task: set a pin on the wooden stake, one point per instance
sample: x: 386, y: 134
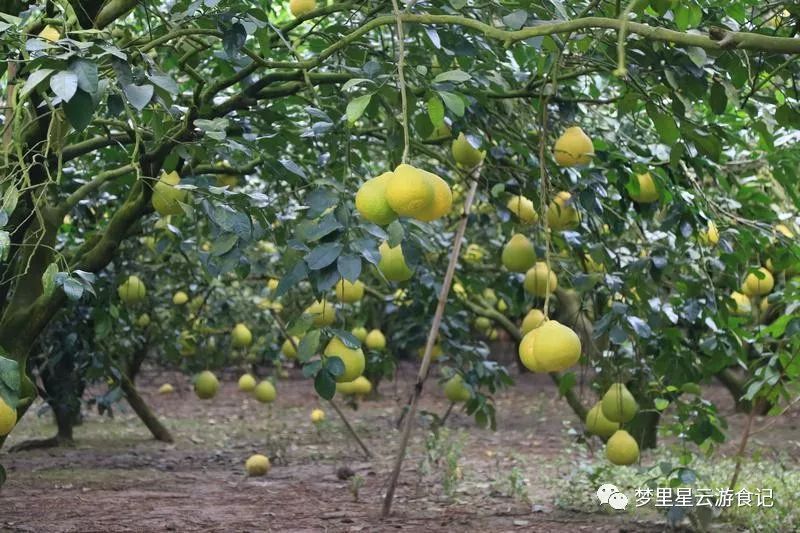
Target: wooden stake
x: 422, y: 375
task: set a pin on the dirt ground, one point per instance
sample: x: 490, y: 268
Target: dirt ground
x: 116, y: 478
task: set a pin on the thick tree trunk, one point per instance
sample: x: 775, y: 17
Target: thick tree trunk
x: 736, y: 386
x: 644, y: 428
x: 144, y: 412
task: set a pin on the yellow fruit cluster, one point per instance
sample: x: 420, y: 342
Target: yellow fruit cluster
x: 408, y: 191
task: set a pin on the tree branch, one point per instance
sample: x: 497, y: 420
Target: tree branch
x: 87, y: 188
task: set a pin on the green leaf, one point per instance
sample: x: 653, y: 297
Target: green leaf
x: 139, y: 95
x: 311, y: 369
x: 298, y: 273
x: 396, y: 233
x: 49, y: 279
x: 64, y: 84
x: 349, y: 340
x: 353, y: 82
x: 697, y: 55
x: 457, y: 76
x: 79, y: 110
x: 356, y: 107
x: 349, y: 267
x: 436, y: 111
x: 86, y: 72
x: 323, y: 255
x: 308, y: 345
x: 718, y: 99
x: 224, y: 244
x: 10, y: 199
x: 665, y: 125
x: 325, y: 385
x: 73, y: 289
x: 36, y: 77
x: 233, y: 39
x: 453, y: 102
x: 10, y: 384
x: 334, y: 365
x: 660, y: 403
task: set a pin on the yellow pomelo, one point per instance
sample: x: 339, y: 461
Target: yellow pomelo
x: 532, y: 320
x: 409, y: 192
x: 8, y: 418
x: 349, y: 292
x: 166, y: 197
x: 573, y: 148
x: 317, y: 416
x: 371, y: 200
x: 436, y: 352
x: 540, y: 280
x: 393, y: 264
x: 518, y: 254
x: 442, y: 198
x: 375, y: 340
x: 166, y: 388
x: 482, y: 323
x: 561, y: 214
x: 489, y: 295
x: 710, y: 237
x: 592, y: 266
x: 132, y: 290
x: 598, y: 424
x: 442, y: 131
x: 247, y: 383
x: 618, y: 404
x: 206, y: 385
x: 552, y: 347
x: 143, y: 321
x: 647, y: 189
x: 784, y: 230
x: 742, y: 306
x: 265, y: 392
x: 465, y: 154
x: 241, y: 336
x: 474, y: 253
x: 301, y: 7
x: 353, y: 359
x: 622, y: 449
x: 360, y: 386
x: 288, y: 349
x: 753, y: 286
x: 522, y: 207
x: 180, y: 298
x: 360, y: 333
x: 322, y: 313
x: 257, y: 465
x: 455, y: 390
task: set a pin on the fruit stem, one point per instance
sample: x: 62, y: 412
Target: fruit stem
x: 422, y: 375
x: 622, y: 71
x: 401, y: 78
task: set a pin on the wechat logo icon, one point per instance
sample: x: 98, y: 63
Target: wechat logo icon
x: 610, y: 494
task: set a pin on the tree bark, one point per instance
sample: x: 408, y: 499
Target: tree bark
x: 140, y: 407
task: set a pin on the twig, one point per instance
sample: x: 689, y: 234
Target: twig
x: 422, y: 375
x: 401, y: 78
